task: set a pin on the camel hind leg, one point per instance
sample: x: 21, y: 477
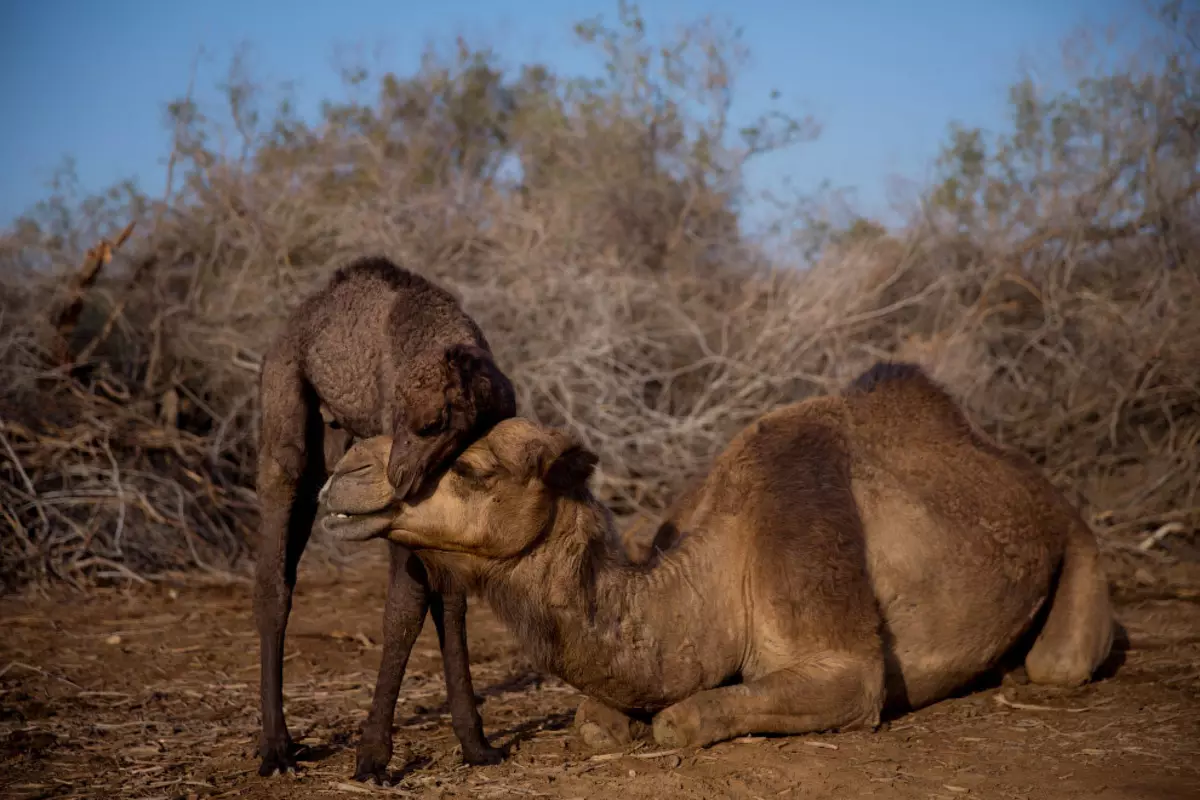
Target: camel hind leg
x: 290, y: 474
x: 1078, y: 633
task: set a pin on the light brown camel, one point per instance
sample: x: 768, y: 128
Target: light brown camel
x: 844, y: 555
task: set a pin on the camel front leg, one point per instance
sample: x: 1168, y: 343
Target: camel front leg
x: 450, y: 617
x: 403, y: 617
x: 606, y: 729
x: 832, y: 692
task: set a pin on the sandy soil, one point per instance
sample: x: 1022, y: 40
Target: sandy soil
x: 152, y: 692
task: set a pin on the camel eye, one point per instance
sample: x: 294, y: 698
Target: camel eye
x: 431, y: 429
x: 434, y: 426
x: 470, y: 474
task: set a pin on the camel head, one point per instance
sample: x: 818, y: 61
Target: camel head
x: 445, y: 404
x: 450, y: 403
x: 494, y: 501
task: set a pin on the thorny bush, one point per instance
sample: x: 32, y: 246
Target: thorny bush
x: 592, y: 228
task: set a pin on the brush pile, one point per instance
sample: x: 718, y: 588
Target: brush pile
x: 592, y: 228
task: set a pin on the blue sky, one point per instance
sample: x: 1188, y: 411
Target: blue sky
x: 90, y: 79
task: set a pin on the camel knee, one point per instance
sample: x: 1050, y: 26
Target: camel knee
x: 843, y: 691
x: 270, y: 608
x: 272, y: 595
x: 857, y: 691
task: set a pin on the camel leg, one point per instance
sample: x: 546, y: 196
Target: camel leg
x: 403, y: 617
x: 604, y: 728
x: 1078, y: 633
x: 817, y: 658
x: 450, y: 618
x: 290, y: 474
x: 834, y: 691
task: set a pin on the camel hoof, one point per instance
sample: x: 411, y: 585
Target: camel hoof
x: 483, y: 755
x: 595, y: 737
x: 277, y: 760
x: 371, y: 763
x: 369, y: 773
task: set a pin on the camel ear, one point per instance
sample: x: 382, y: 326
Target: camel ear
x: 481, y: 383
x: 467, y: 358
x: 570, y: 470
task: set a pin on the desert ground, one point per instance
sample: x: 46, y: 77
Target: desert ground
x: 647, y: 281
x: 151, y: 692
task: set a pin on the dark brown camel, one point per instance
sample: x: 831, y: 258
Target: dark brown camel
x: 378, y: 351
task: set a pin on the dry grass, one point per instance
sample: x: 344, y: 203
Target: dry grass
x: 618, y: 297
x: 151, y: 692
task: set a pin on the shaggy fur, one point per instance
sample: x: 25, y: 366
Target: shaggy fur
x: 379, y: 351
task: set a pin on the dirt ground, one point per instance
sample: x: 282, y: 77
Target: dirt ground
x: 152, y: 692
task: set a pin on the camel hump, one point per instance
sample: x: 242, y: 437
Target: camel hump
x: 379, y: 269
x: 885, y: 373
x: 899, y: 392
x: 412, y: 294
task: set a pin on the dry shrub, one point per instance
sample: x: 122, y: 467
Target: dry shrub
x: 616, y: 290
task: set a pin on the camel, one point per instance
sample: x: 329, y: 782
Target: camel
x: 379, y: 351
x: 845, y: 556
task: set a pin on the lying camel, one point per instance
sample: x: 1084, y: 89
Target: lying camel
x: 845, y: 555
x: 379, y: 350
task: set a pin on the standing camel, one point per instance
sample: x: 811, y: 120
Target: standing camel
x: 380, y: 351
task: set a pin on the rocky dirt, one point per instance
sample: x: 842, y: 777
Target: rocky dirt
x: 151, y: 692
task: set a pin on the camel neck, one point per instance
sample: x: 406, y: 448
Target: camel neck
x: 632, y: 636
